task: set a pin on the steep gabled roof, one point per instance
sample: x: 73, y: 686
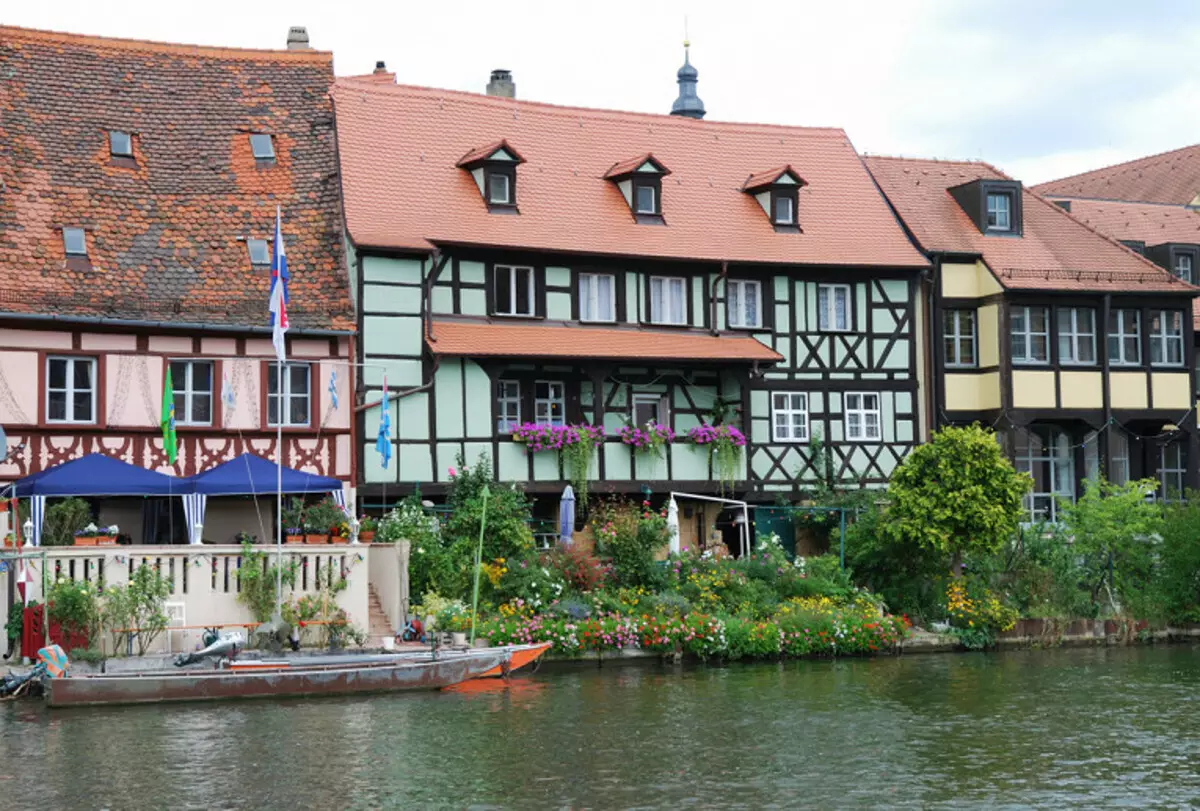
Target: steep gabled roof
x: 1055, y: 251
x: 1151, y: 223
x: 1169, y: 177
x: 399, y: 145
x: 165, y: 234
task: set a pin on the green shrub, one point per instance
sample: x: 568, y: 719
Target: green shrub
x: 910, y: 579
x: 1175, y: 592
x: 257, y: 578
x: 631, y: 537
x: 140, y: 604
x: 63, y: 519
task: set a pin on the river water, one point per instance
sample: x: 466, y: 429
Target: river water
x: 1094, y: 728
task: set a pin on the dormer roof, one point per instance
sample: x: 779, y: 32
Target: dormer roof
x: 642, y: 164
x: 496, y: 151
x: 780, y: 175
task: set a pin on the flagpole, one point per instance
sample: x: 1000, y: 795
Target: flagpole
x: 279, y: 493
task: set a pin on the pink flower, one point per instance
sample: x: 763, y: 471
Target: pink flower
x: 452, y: 472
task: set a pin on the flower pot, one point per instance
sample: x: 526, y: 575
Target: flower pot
x: 315, y: 537
x: 458, y: 639
x: 294, y: 538
x: 106, y: 540
x: 366, y: 536
x: 82, y: 541
x: 338, y: 539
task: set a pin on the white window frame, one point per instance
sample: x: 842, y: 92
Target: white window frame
x: 493, y: 198
x: 284, y: 400
x: 957, y: 336
x: 742, y: 285
x: 791, y: 207
x: 1164, y: 339
x: 512, y: 290
x: 652, y: 399
x: 1006, y: 211
x: 549, y: 402
x: 827, y: 312
x: 859, y: 408
x: 258, y: 137
x: 187, y: 388
x: 508, y: 406
x: 70, y: 232
x: 1184, y: 266
x: 1118, y: 449
x: 1059, y: 458
x: 1177, y: 470
x: 1071, y: 337
x: 589, y: 298
x: 786, y: 407
x: 265, y: 256
x: 637, y: 208
x: 668, y: 283
x: 1028, y: 334
x: 69, y: 390
x: 1117, y: 333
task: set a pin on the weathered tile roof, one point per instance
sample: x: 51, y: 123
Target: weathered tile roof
x: 1152, y: 223
x: 1169, y: 177
x: 399, y: 145
x: 540, y: 341
x: 164, y: 236
x: 1054, y: 252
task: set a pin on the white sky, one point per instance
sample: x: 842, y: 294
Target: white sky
x: 1042, y: 88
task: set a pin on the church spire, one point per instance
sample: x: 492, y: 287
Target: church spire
x: 688, y: 103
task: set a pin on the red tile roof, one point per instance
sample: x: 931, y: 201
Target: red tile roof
x: 1054, y: 252
x: 1152, y: 223
x: 1169, y: 177
x: 163, y: 234
x: 628, y: 167
x: 757, y: 181
x: 485, y: 152
x: 541, y: 341
x: 399, y: 146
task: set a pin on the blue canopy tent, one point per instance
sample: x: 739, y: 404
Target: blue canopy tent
x: 93, y: 475
x: 252, y: 475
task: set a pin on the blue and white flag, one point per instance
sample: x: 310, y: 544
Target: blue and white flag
x: 279, y: 291
x: 333, y: 389
x: 383, y: 443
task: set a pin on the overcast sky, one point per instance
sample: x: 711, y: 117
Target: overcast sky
x: 1042, y: 88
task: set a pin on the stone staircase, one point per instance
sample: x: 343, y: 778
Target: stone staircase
x: 379, y: 627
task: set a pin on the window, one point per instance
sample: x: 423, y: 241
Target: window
x: 294, y: 395
x: 193, y: 382
x: 743, y: 301
x: 73, y: 242
x: 1118, y: 449
x: 1045, y: 454
x: 596, y: 297
x: 785, y: 209
x: 1030, y: 334
x: 549, y: 403
x: 999, y: 211
x: 70, y: 389
x: 1183, y: 266
x: 499, y: 188
x: 120, y: 144
x: 833, y: 307
x: 1166, y: 338
x: 508, y: 406
x: 1124, y: 337
x: 789, y: 416
x: 862, y: 417
x: 262, y: 147
x: 514, y: 290
x: 1076, y: 335
x: 667, y: 305
x: 260, y: 254
x: 647, y: 407
x: 1172, y: 470
x: 645, y: 199
x: 960, y: 338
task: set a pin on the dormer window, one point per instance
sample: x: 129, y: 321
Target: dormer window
x: 260, y: 255
x: 262, y: 147
x: 494, y: 170
x: 993, y: 204
x: 777, y: 191
x: 120, y: 144
x: 640, y: 182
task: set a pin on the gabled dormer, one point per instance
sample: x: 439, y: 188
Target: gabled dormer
x: 993, y: 205
x: 494, y: 169
x: 777, y: 191
x: 640, y: 182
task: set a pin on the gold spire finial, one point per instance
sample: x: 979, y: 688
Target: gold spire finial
x: 686, y: 44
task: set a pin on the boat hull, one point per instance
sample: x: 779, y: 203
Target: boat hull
x: 522, y: 655
x: 222, y: 685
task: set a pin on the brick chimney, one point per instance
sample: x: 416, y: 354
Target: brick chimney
x: 502, y: 84
x: 297, y: 39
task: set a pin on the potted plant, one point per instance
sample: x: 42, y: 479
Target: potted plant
x: 293, y: 535
x: 366, y: 529
x: 91, y: 535
x: 454, y: 619
x: 293, y: 520
x: 321, y: 520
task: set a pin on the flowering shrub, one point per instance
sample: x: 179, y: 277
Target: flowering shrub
x: 631, y: 536
x: 576, y: 443
x: 717, y: 435
x: 579, y: 569
x: 651, y: 439
x: 725, y: 443
x: 976, y: 614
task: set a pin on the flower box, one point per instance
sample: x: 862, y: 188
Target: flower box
x: 316, y: 537
x: 366, y: 535
x: 290, y: 538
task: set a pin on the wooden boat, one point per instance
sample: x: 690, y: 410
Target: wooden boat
x: 309, y: 679
x: 520, y: 656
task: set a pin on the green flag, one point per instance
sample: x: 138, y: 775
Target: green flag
x: 168, y: 418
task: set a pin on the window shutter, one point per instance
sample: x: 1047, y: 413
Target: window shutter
x: 768, y: 303
x: 574, y: 408
x: 619, y: 295
x: 539, y: 292
x: 489, y: 289
x: 576, y: 295
x: 664, y: 411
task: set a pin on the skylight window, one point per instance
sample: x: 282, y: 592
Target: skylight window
x: 260, y: 253
x: 120, y: 144
x: 74, y: 242
x: 262, y: 147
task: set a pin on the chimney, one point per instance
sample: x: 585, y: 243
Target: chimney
x: 297, y: 39
x: 380, y: 68
x: 501, y: 84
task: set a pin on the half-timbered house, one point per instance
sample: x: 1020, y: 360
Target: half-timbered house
x: 138, y: 191
x: 1074, y: 347
x: 518, y: 262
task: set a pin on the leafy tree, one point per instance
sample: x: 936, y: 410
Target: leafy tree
x: 141, y: 604
x: 1176, y: 591
x: 63, y: 519
x: 956, y: 495
x: 1114, y: 529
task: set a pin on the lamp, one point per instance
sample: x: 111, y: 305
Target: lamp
x: 28, y: 527
x: 1170, y: 428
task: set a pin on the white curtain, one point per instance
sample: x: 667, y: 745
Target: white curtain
x: 38, y: 515
x: 339, y: 498
x: 193, y: 513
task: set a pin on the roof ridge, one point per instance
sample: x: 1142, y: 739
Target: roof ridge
x: 122, y: 43
x: 1121, y: 201
x: 356, y: 84
x: 1119, y: 165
